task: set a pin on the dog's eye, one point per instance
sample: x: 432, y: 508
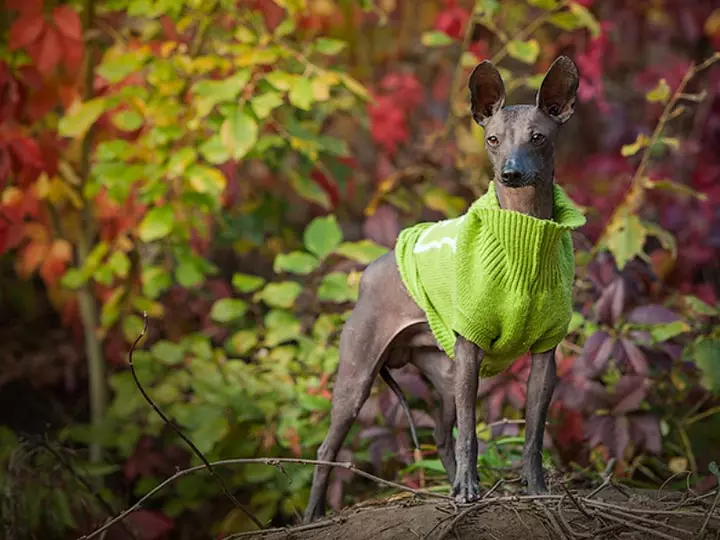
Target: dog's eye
x: 537, y: 138
x: 492, y: 140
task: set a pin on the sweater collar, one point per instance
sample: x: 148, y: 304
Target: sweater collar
x: 566, y: 215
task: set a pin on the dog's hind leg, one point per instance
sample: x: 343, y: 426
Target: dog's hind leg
x: 383, y: 310
x: 437, y: 367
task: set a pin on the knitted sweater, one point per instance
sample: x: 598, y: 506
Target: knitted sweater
x: 499, y: 278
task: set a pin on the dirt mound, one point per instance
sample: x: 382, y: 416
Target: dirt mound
x: 612, y: 514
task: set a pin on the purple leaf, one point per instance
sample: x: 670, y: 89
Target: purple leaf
x: 383, y: 226
x: 374, y: 432
x: 595, y: 395
x: 596, y: 353
x: 599, y: 430
x: 635, y: 357
x: 645, y: 428
x: 652, y: 314
x: 604, y: 305
x: 629, y: 392
x: 619, y: 300
x: 621, y: 434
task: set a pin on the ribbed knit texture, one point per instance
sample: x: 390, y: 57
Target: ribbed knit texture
x: 499, y: 278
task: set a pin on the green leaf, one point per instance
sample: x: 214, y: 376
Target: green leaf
x: 525, y: 51
x: 179, y: 161
x: 322, y: 236
x: 297, y: 262
x: 314, y: 403
x: 488, y: 8
x: 80, y: 117
x: 205, y: 179
x: 243, y: 341
x: 627, y: 240
x: 119, y: 263
x: 700, y: 307
x: 127, y: 120
x: 281, y: 326
x: 239, y: 133
x: 308, y: 189
x: 544, y: 4
x: 435, y: 38
x: 301, y: 94
x: 663, y: 332
x: 659, y: 94
x: 363, y: 251
x: 713, y: 468
x: 565, y: 20
x: 156, y: 224
x: 209, y: 93
x: 115, y: 67
x: 246, y: 283
x: 168, y: 353
x: 189, y: 275
x: 329, y: 47
x: 228, y: 309
x: 132, y: 326
x: 280, y: 295
x: 73, y: 279
x: 641, y: 141
x: 335, y: 287
x: 707, y: 358
x: 586, y: 17
x: 265, y: 103
x: 281, y: 80
x: 214, y: 151
x: 155, y: 281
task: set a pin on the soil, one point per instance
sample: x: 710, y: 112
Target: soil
x: 611, y: 514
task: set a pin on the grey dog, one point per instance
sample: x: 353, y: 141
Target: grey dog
x: 387, y: 329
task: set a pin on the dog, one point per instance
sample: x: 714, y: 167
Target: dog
x: 464, y: 297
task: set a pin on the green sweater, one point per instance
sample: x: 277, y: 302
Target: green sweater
x: 499, y: 278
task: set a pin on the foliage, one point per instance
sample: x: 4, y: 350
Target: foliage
x: 230, y: 168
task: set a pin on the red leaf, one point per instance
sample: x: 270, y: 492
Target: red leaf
x: 73, y: 50
x: 25, y: 6
x: 56, y: 262
x: 46, y: 51
x: 27, y: 152
x: 149, y: 524
x: 67, y: 22
x: 26, y: 30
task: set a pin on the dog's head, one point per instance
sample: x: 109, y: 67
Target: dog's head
x: 520, y: 139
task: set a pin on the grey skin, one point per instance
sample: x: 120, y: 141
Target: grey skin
x: 387, y: 330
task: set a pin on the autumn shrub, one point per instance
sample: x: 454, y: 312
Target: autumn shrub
x: 230, y: 167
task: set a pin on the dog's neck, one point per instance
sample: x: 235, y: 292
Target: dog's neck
x: 534, y: 200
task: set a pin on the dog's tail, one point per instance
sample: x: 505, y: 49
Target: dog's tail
x: 385, y: 374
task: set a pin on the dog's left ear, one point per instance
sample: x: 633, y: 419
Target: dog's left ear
x: 556, y: 96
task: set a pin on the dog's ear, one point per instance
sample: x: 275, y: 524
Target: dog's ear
x: 556, y: 96
x: 487, y: 91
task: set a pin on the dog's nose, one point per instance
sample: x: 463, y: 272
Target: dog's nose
x: 511, y: 174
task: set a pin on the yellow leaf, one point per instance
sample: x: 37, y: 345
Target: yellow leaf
x: 586, y: 17
x: 167, y: 48
x: 678, y: 464
x: 12, y: 196
x: 320, y: 90
x: 712, y: 23
x: 659, y: 94
x: 631, y: 149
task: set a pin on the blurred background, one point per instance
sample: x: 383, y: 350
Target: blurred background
x: 229, y: 167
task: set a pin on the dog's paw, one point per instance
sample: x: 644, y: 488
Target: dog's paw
x: 466, y: 489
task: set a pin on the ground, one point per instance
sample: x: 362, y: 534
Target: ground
x: 614, y: 513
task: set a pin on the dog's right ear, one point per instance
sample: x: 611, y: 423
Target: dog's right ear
x: 487, y: 91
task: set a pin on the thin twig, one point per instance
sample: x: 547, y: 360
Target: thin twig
x: 637, y: 527
x: 701, y: 533
x: 575, y: 501
x: 301, y: 528
x: 184, y: 437
x: 271, y: 462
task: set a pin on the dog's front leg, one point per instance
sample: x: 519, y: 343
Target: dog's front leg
x: 539, y: 394
x: 468, y: 357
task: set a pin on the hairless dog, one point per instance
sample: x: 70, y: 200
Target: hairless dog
x: 388, y: 329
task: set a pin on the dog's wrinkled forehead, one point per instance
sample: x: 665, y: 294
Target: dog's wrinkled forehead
x: 515, y: 122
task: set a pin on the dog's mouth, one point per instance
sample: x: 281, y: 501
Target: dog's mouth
x: 518, y: 181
